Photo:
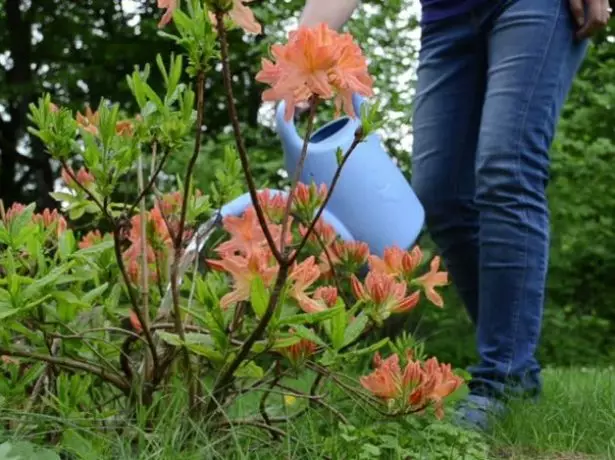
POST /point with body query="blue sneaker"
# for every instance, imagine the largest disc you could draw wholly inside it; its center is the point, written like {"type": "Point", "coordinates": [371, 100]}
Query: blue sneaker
{"type": "Point", "coordinates": [477, 412]}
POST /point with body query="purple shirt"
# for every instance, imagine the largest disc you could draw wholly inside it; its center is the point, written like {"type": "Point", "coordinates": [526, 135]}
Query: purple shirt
{"type": "Point", "coordinates": [435, 10]}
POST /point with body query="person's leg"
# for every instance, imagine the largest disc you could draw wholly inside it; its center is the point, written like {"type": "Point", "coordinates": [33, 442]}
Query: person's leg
{"type": "Point", "coordinates": [532, 59]}
{"type": "Point", "coordinates": [446, 119]}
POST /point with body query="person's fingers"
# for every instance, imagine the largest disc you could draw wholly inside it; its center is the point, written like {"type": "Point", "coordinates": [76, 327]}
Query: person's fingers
{"type": "Point", "coordinates": [577, 7]}
{"type": "Point", "coordinates": [597, 17]}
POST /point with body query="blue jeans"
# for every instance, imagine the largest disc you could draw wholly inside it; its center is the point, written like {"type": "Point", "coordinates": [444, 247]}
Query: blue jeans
{"type": "Point", "coordinates": [491, 84]}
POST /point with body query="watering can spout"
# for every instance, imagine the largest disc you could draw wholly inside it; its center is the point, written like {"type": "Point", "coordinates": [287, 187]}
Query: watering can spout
{"type": "Point", "coordinates": [372, 198]}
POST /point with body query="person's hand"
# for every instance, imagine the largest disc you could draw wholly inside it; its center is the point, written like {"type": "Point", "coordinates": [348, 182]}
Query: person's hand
{"type": "Point", "coordinates": [590, 16]}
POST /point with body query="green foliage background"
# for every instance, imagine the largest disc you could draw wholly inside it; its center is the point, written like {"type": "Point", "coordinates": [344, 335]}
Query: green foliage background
{"type": "Point", "coordinates": [81, 51]}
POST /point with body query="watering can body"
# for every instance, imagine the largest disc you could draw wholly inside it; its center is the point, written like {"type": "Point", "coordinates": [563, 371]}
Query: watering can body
{"type": "Point", "coordinates": [372, 199]}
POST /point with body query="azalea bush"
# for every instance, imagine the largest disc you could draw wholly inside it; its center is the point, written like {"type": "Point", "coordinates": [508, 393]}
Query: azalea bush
{"type": "Point", "coordinates": [166, 289]}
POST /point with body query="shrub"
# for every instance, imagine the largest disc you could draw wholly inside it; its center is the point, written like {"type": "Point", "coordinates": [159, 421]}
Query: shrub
{"type": "Point", "coordinates": [101, 326]}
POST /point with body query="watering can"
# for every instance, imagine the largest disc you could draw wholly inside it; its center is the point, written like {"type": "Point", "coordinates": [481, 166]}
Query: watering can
{"type": "Point", "coordinates": [239, 205]}
{"type": "Point", "coordinates": [372, 199]}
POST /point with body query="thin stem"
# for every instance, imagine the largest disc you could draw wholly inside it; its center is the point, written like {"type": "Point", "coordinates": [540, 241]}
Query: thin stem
{"type": "Point", "coordinates": [133, 300]}
{"type": "Point", "coordinates": [357, 140]}
{"type": "Point", "coordinates": [298, 171]}
{"type": "Point", "coordinates": [118, 382]}
{"type": "Point", "coordinates": [177, 253]}
{"type": "Point", "coordinates": [258, 331]}
{"type": "Point", "coordinates": [143, 244]}
{"type": "Point", "coordinates": [241, 148]}
{"type": "Point", "coordinates": [150, 183]}
{"type": "Point", "coordinates": [120, 262]}
{"type": "Point", "coordinates": [263, 404]}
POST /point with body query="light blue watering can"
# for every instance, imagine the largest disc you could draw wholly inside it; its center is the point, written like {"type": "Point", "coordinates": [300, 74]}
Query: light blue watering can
{"type": "Point", "coordinates": [372, 199]}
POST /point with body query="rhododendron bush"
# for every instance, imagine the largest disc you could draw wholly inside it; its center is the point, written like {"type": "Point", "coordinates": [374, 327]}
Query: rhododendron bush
{"type": "Point", "coordinates": [161, 288]}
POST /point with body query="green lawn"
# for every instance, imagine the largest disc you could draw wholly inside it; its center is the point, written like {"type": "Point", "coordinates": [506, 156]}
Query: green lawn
{"type": "Point", "coordinates": [574, 420]}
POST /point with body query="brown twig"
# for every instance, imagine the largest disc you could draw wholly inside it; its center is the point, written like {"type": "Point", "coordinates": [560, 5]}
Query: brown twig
{"type": "Point", "coordinates": [241, 148]}
{"type": "Point", "coordinates": [177, 243]}
{"type": "Point", "coordinates": [263, 404]}
{"type": "Point", "coordinates": [227, 377]}
{"type": "Point", "coordinates": [298, 171]}
{"type": "Point", "coordinates": [120, 262]}
{"type": "Point", "coordinates": [151, 182]}
{"type": "Point", "coordinates": [115, 380]}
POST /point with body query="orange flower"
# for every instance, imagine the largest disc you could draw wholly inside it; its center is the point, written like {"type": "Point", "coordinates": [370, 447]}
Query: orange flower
{"type": "Point", "coordinates": [247, 234]}
{"type": "Point", "coordinates": [15, 210]}
{"type": "Point", "coordinates": [414, 388]}
{"type": "Point", "coordinates": [385, 293]}
{"type": "Point", "coordinates": [442, 383]}
{"type": "Point", "coordinates": [302, 276]}
{"type": "Point", "coordinates": [327, 294]}
{"type": "Point", "coordinates": [316, 61]}
{"type": "Point", "coordinates": [170, 6]}
{"type": "Point", "coordinates": [433, 279]}
{"type": "Point", "coordinates": [396, 261]}
{"type": "Point", "coordinates": [89, 122]}
{"type": "Point", "coordinates": [243, 16]}
{"type": "Point", "coordinates": [92, 238]}
{"type": "Point", "coordinates": [51, 219]}
{"type": "Point", "coordinates": [309, 197]}
{"type": "Point", "coordinates": [243, 270]}
{"type": "Point", "coordinates": [298, 352]}
{"type": "Point", "coordinates": [135, 323]}
{"type": "Point", "coordinates": [322, 231]}
{"type": "Point", "coordinates": [124, 128]}
{"type": "Point", "coordinates": [273, 204]}
{"type": "Point", "coordinates": [352, 254]}
{"type": "Point", "coordinates": [83, 177]}
{"type": "Point", "coordinates": [385, 382]}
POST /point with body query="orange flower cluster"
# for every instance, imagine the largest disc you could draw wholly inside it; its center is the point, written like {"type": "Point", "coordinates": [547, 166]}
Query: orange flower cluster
{"type": "Point", "coordinates": [246, 256]}
{"type": "Point", "coordinates": [414, 388]}
{"type": "Point", "coordinates": [49, 220]}
{"type": "Point", "coordinates": [156, 247]}
{"type": "Point", "coordinates": [240, 14]}
{"type": "Point", "coordinates": [90, 122]}
{"type": "Point", "coordinates": [90, 239]}
{"type": "Point", "coordinates": [401, 266]}
{"type": "Point", "coordinates": [316, 61]}
{"type": "Point", "coordinates": [83, 177]}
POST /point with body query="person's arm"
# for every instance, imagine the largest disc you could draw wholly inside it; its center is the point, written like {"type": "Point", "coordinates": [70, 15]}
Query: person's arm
{"type": "Point", "coordinates": [333, 12]}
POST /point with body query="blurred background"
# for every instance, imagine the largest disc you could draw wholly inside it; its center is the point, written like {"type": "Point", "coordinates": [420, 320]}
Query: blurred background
{"type": "Point", "coordinates": [81, 51]}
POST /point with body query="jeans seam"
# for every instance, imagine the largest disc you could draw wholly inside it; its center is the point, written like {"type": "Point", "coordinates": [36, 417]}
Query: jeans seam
{"type": "Point", "coordinates": [515, 325]}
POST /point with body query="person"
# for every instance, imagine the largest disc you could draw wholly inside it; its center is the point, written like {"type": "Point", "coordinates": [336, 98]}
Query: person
{"type": "Point", "coordinates": [491, 81]}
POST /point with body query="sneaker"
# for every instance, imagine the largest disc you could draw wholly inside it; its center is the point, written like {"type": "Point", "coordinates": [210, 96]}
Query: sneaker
{"type": "Point", "coordinates": [477, 412]}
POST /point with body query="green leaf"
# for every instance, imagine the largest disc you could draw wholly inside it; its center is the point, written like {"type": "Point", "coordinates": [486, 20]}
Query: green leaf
{"type": "Point", "coordinates": [259, 297]}
{"type": "Point", "coordinates": [308, 318]}
{"type": "Point", "coordinates": [338, 326]}
{"type": "Point", "coordinates": [169, 338]}
{"type": "Point", "coordinates": [46, 280]}
{"type": "Point", "coordinates": [354, 329]}
{"type": "Point", "coordinates": [103, 246]}
{"type": "Point", "coordinates": [250, 370]}
{"type": "Point", "coordinates": [371, 349]}
{"type": "Point", "coordinates": [92, 295]}
{"type": "Point", "coordinates": [307, 334]}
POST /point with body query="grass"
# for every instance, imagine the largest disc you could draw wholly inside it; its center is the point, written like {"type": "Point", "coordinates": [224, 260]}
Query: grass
{"type": "Point", "coordinates": [575, 420]}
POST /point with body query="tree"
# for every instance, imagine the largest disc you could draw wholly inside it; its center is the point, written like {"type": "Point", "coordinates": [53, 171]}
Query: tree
{"type": "Point", "coordinates": [82, 51]}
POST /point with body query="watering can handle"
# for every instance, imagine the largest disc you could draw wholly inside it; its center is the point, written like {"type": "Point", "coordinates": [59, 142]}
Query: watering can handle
{"type": "Point", "coordinates": [288, 128]}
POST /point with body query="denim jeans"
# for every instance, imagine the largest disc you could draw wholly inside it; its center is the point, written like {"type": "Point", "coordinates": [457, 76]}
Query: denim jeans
{"type": "Point", "coordinates": [491, 85]}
